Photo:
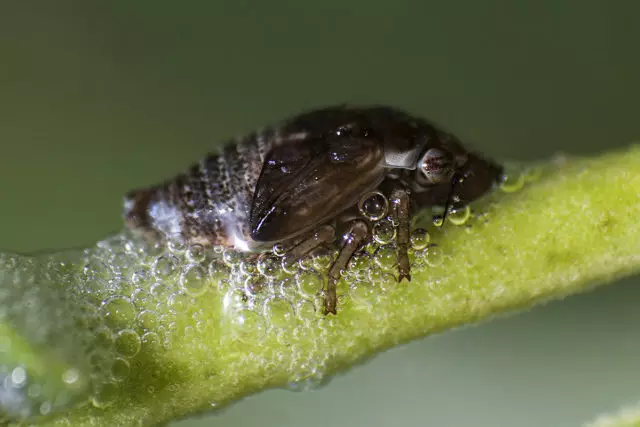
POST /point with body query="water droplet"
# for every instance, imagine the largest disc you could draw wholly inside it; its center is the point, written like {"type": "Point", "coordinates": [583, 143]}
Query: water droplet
{"type": "Point", "coordinates": [268, 264]}
{"type": "Point", "coordinates": [120, 369]}
{"type": "Point", "coordinates": [386, 257]}
{"type": "Point", "coordinates": [193, 280]}
{"type": "Point", "coordinates": [420, 238]}
{"type": "Point", "coordinates": [309, 283]}
{"type": "Point", "coordinates": [140, 276]}
{"type": "Point", "coordinates": [278, 312]}
{"type": "Point", "coordinates": [196, 253]}
{"type": "Point", "coordinates": [384, 232]}
{"type": "Point", "coordinates": [105, 394]}
{"type": "Point", "coordinates": [18, 377]}
{"type": "Point", "coordinates": [118, 312]}
{"type": "Point", "coordinates": [160, 291]}
{"type": "Point", "coordinates": [165, 266]}
{"type": "Point", "coordinates": [292, 268]}
{"type": "Point", "coordinates": [459, 216]}
{"type": "Point", "coordinates": [254, 284]}
{"type": "Point", "coordinates": [512, 182]}
{"type": "Point", "coordinates": [234, 299]}
{"type": "Point", "coordinates": [373, 205]}
{"type": "Point", "coordinates": [128, 343]}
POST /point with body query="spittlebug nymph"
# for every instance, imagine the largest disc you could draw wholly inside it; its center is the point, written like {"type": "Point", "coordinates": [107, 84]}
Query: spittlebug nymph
{"type": "Point", "coordinates": [324, 173]}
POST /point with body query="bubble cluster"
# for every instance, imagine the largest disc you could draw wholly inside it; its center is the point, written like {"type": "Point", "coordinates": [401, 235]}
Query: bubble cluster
{"type": "Point", "coordinates": [110, 309]}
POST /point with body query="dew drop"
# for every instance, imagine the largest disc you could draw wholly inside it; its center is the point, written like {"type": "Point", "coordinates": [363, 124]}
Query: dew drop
{"type": "Point", "coordinates": [118, 312]}
{"type": "Point", "coordinates": [104, 338]}
{"type": "Point", "coordinates": [459, 216]}
{"type": "Point", "coordinates": [176, 244]}
{"type": "Point", "coordinates": [361, 292]}
{"type": "Point", "coordinates": [193, 280]}
{"type": "Point", "coordinates": [120, 369]}
{"type": "Point", "coordinates": [128, 343]}
{"type": "Point", "coordinates": [384, 232]}
{"type": "Point", "coordinates": [373, 205]}
{"type": "Point", "coordinates": [278, 312]}
{"type": "Point", "coordinates": [420, 238]}
{"type": "Point", "coordinates": [71, 376]}
{"type": "Point", "coordinates": [309, 283]}
{"type": "Point", "coordinates": [105, 394]}
{"type": "Point", "coordinates": [279, 250]}
{"type": "Point", "coordinates": [160, 291]}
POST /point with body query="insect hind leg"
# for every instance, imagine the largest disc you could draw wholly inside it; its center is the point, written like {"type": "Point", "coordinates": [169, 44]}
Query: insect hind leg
{"type": "Point", "coordinates": [357, 233]}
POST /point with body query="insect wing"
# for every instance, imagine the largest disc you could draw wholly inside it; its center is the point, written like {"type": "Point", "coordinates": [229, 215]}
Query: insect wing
{"type": "Point", "coordinates": [306, 183]}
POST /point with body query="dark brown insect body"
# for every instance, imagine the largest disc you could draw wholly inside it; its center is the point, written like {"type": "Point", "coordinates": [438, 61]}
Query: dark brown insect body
{"type": "Point", "coordinates": [321, 174]}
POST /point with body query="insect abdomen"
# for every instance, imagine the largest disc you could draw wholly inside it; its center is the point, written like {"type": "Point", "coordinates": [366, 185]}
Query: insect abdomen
{"type": "Point", "coordinates": [208, 204]}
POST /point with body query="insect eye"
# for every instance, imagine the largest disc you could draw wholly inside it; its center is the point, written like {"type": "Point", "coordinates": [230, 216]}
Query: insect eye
{"type": "Point", "coordinates": [436, 166]}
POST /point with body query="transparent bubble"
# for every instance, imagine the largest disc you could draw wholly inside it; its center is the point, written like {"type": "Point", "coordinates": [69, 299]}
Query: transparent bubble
{"type": "Point", "coordinates": [247, 324]}
{"type": "Point", "coordinates": [140, 276]}
{"type": "Point", "coordinates": [148, 319]}
{"type": "Point", "coordinates": [419, 238]}
{"type": "Point", "coordinates": [71, 376]}
{"type": "Point", "coordinates": [278, 312]}
{"type": "Point", "coordinates": [196, 253]}
{"type": "Point", "coordinates": [361, 292]}
{"type": "Point", "coordinates": [231, 257]}
{"type": "Point", "coordinates": [310, 283]}
{"type": "Point", "coordinates": [120, 369]}
{"type": "Point", "coordinates": [292, 268]}
{"type": "Point", "coordinates": [235, 299]}
{"type": "Point", "coordinates": [322, 259]}
{"type": "Point", "coordinates": [118, 312]}
{"type": "Point", "coordinates": [151, 341]}
{"type": "Point", "coordinates": [279, 250]}
{"type": "Point", "coordinates": [459, 216]}
{"type": "Point", "coordinates": [218, 270]}
{"type": "Point", "coordinates": [176, 244]}
{"type": "Point", "coordinates": [386, 257]}
{"type": "Point", "coordinates": [373, 205]}
{"type": "Point", "coordinates": [306, 309]}
{"type": "Point", "coordinates": [128, 343]}
{"type": "Point", "coordinates": [104, 338]}
{"type": "Point", "coordinates": [433, 255]}
{"type": "Point", "coordinates": [268, 264]}
{"type": "Point", "coordinates": [193, 280]}
{"type": "Point", "coordinates": [512, 182]}
{"type": "Point", "coordinates": [384, 232]}
{"type": "Point", "coordinates": [160, 291]}
{"type": "Point", "coordinates": [254, 284]}
{"type": "Point", "coordinates": [104, 394]}
{"type": "Point", "coordinates": [165, 266]}
{"type": "Point", "coordinates": [533, 173]}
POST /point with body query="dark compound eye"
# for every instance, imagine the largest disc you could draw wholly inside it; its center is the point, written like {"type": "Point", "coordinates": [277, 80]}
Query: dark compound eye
{"type": "Point", "coordinates": [436, 166]}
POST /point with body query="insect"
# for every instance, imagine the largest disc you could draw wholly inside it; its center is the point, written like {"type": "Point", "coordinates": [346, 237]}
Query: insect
{"type": "Point", "coordinates": [318, 178]}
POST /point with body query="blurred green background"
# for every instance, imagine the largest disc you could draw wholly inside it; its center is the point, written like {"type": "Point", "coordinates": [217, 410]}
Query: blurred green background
{"type": "Point", "coordinates": [100, 97]}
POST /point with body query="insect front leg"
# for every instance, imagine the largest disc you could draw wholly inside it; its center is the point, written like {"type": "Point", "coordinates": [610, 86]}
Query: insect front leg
{"type": "Point", "coordinates": [357, 232]}
{"type": "Point", "coordinates": [400, 213]}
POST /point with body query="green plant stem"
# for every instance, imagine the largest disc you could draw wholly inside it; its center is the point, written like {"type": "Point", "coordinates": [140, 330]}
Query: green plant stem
{"type": "Point", "coordinates": [575, 227]}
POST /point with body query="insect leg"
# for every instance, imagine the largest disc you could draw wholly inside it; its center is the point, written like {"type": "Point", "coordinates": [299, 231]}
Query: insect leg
{"type": "Point", "coordinates": [358, 231]}
{"type": "Point", "coordinates": [400, 212]}
{"type": "Point", "coordinates": [322, 235]}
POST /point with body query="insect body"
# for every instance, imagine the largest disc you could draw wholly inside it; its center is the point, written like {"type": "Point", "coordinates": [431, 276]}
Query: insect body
{"type": "Point", "coordinates": [318, 175]}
